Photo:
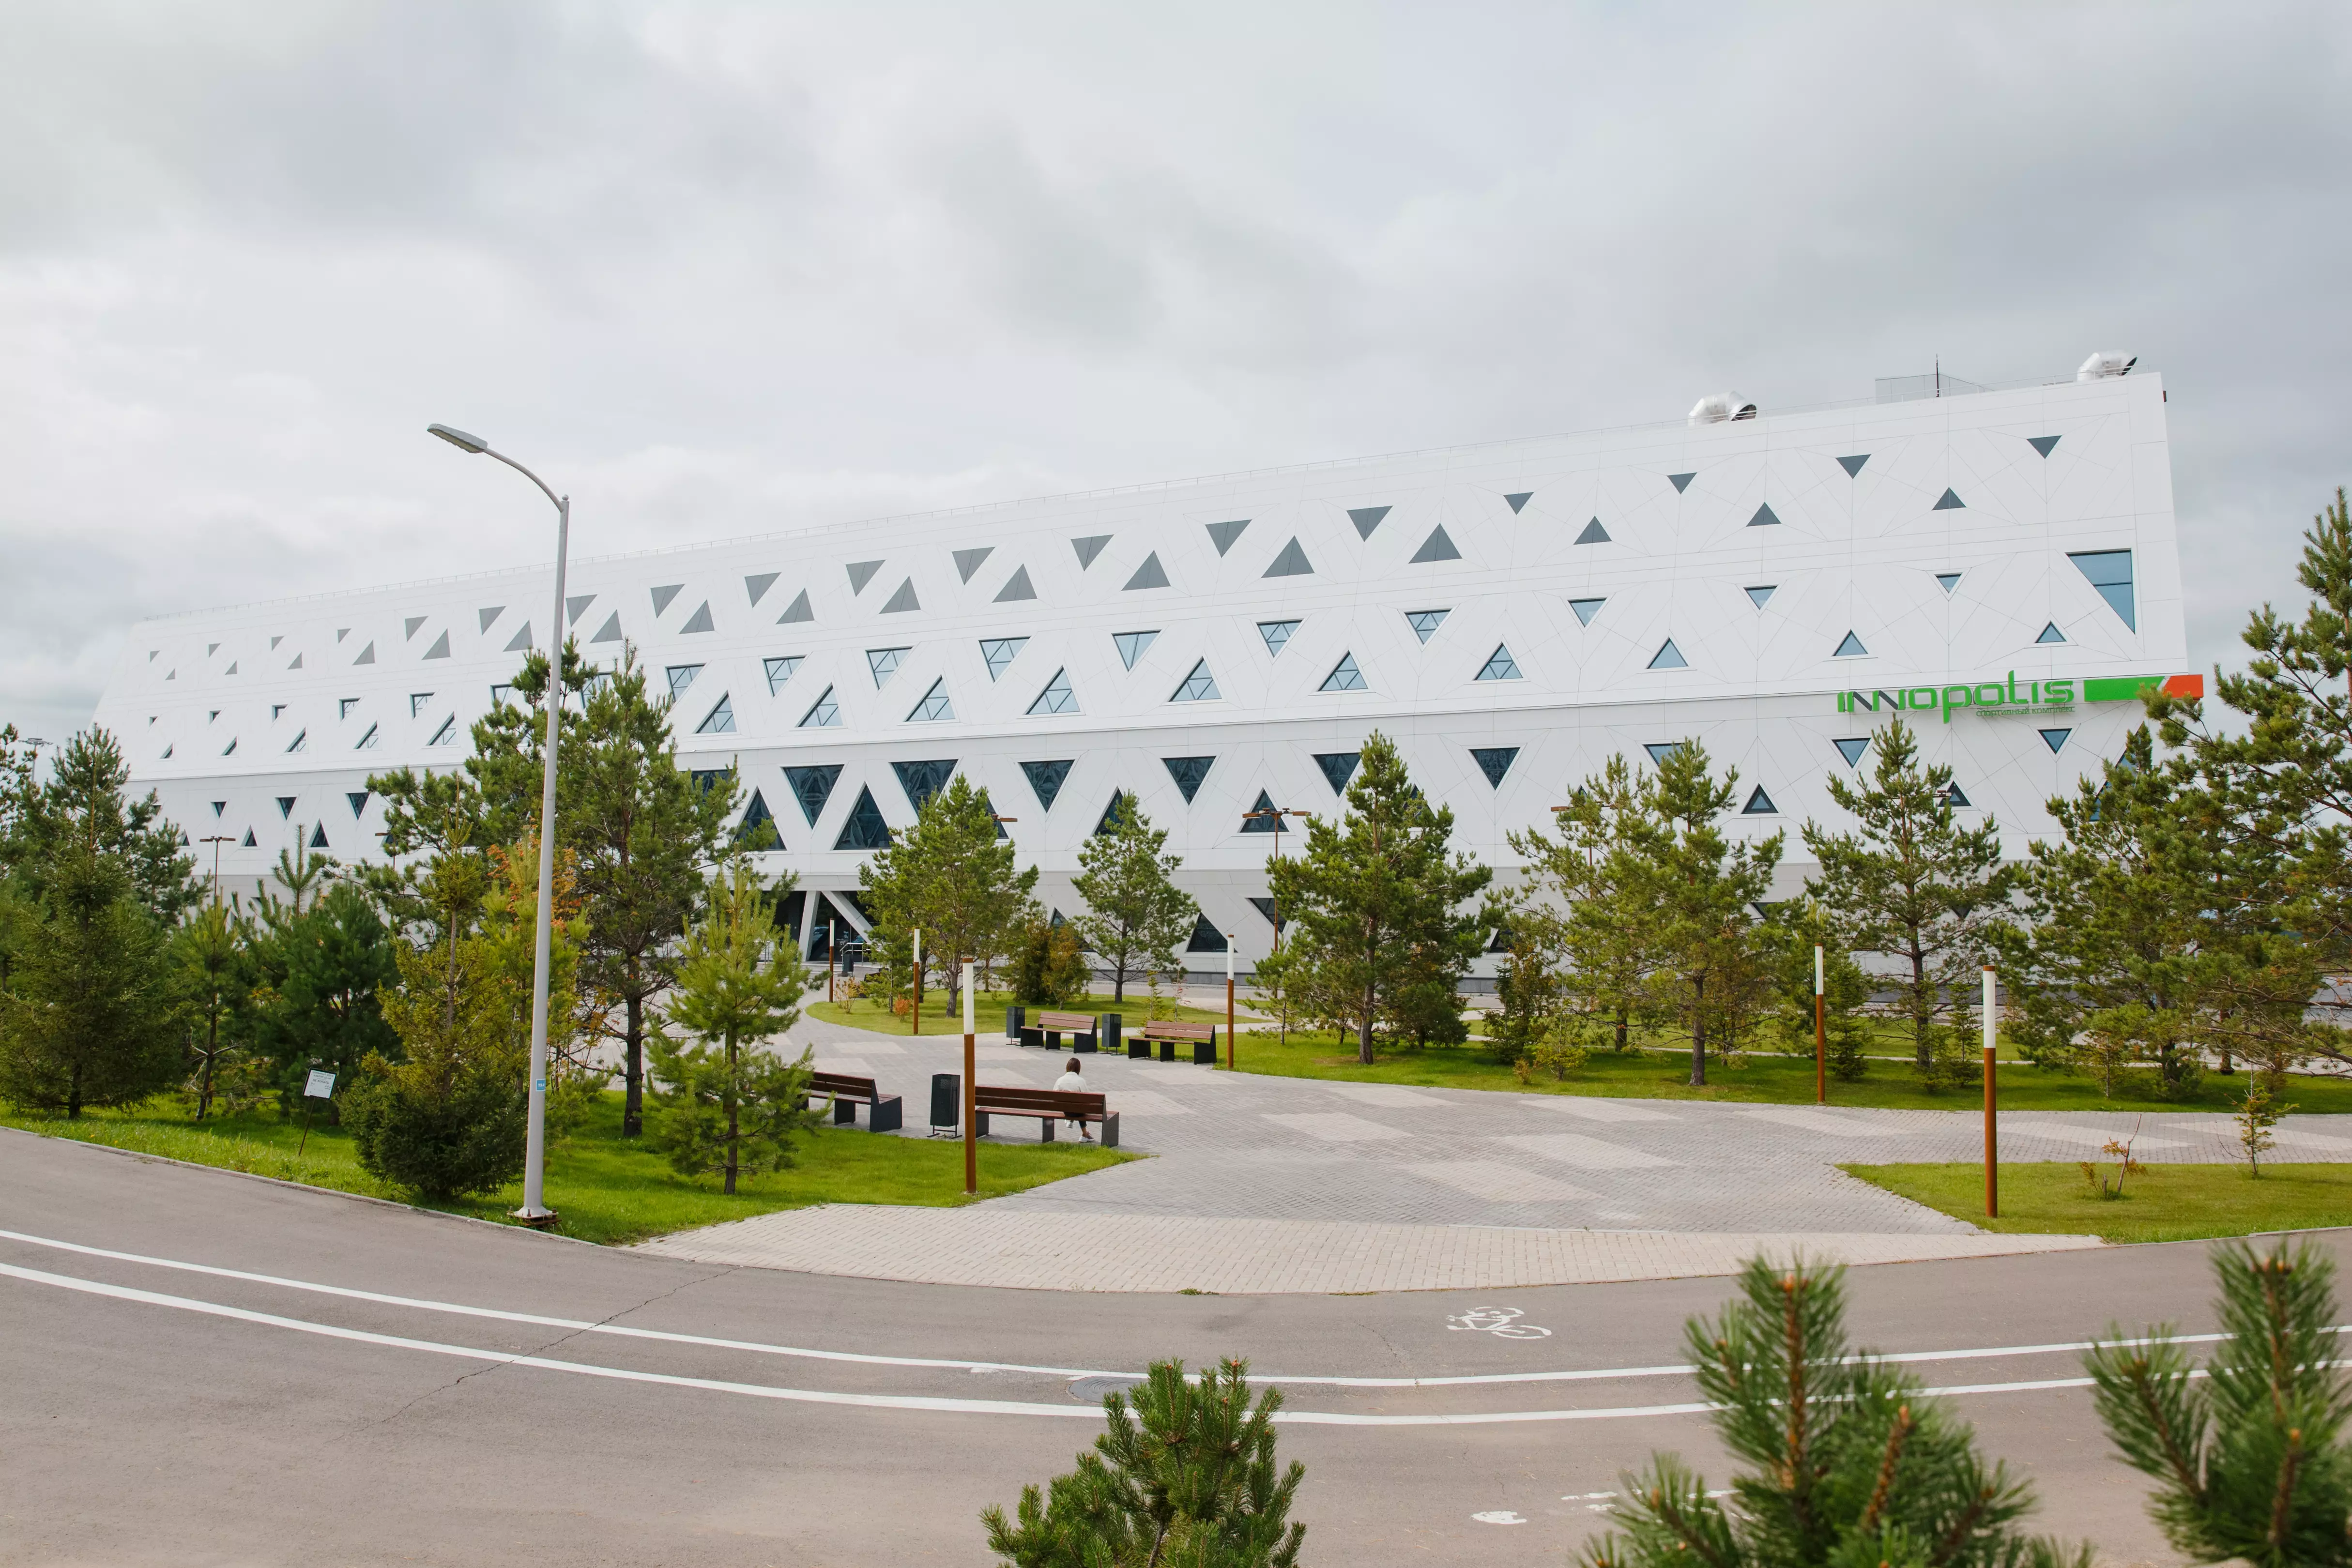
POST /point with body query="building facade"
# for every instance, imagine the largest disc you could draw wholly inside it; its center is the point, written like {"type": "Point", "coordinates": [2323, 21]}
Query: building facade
{"type": "Point", "coordinates": [1998, 566]}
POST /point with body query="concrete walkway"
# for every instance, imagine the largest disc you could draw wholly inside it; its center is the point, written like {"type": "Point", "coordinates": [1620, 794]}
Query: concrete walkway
{"type": "Point", "coordinates": [1264, 1183]}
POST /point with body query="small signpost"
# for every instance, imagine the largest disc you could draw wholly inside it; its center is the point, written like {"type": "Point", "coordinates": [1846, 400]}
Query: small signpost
{"type": "Point", "coordinates": [317, 1086]}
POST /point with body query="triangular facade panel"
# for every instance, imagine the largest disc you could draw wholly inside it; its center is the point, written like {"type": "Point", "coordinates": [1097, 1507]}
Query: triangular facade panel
{"type": "Point", "coordinates": [904, 599]}
{"type": "Point", "coordinates": [970, 561]}
{"type": "Point", "coordinates": [1016, 586]}
{"type": "Point", "coordinates": [797, 611]}
{"type": "Point", "coordinates": [756, 585]}
{"type": "Point", "coordinates": [663, 594]}
{"type": "Point", "coordinates": [1853, 466]}
{"type": "Point", "coordinates": [699, 621]}
{"type": "Point", "coordinates": [1089, 547]}
{"type": "Point", "coordinates": [1222, 535]}
{"type": "Point", "coordinates": [1518, 500]}
{"type": "Point", "coordinates": [861, 572]}
{"type": "Point", "coordinates": [1291, 562]}
{"type": "Point", "coordinates": [1150, 574]}
{"type": "Point", "coordinates": [1437, 547]}
{"type": "Point", "coordinates": [1593, 534]}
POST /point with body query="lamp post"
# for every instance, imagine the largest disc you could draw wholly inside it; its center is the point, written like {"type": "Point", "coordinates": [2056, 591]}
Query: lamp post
{"type": "Point", "coordinates": [534, 1209]}
{"type": "Point", "coordinates": [1992, 1125]}
{"type": "Point", "coordinates": [1229, 1001]}
{"type": "Point", "coordinates": [970, 1052]}
{"type": "Point", "coordinates": [1821, 1034]}
{"type": "Point", "coordinates": [216, 841]}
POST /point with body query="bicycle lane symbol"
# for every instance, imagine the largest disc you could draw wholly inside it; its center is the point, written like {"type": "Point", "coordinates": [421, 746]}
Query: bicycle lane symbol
{"type": "Point", "coordinates": [1501, 1322]}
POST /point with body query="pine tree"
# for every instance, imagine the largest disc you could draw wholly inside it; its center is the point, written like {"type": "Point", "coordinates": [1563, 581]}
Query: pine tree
{"type": "Point", "coordinates": [2249, 1457]}
{"type": "Point", "coordinates": [1790, 938]}
{"type": "Point", "coordinates": [1913, 883]}
{"type": "Point", "coordinates": [1136, 916]}
{"type": "Point", "coordinates": [1188, 1481]}
{"type": "Point", "coordinates": [322, 973]}
{"type": "Point", "coordinates": [1574, 905]}
{"type": "Point", "coordinates": [213, 975]}
{"type": "Point", "coordinates": [956, 878]}
{"type": "Point", "coordinates": [85, 802]}
{"type": "Point", "coordinates": [1379, 906]}
{"type": "Point", "coordinates": [1853, 1464]}
{"type": "Point", "coordinates": [728, 1104]}
{"type": "Point", "coordinates": [1049, 967]}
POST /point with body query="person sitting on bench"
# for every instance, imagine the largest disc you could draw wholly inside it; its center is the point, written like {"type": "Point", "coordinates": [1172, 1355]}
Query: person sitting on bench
{"type": "Point", "coordinates": [1073, 1081]}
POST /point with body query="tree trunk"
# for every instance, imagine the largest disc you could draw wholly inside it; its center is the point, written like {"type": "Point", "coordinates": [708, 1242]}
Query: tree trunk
{"type": "Point", "coordinates": [1621, 1029]}
{"type": "Point", "coordinates": [732, 1129]}
{"type": "Point", "coordinates": [73, 1095]}
{"type": "Point", "coordinates": [1921, 1005]}
{"type": "Point", "coordinates": [212, 1054]}
{"type": "Point", "coordinates": [1698, 1032]}
{"type": "Point", "coordinates": [633, 1067]}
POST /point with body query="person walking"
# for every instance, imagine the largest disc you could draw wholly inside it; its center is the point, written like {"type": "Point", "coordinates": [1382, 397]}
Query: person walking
{"type": "Point", "coordinates": [1073, 1081]}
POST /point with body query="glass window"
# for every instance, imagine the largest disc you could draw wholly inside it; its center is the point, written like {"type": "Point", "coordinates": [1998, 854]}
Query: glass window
{"type": "Point", "coordinates": [822, 713]}
{"type": "Point", "coordinates": [934, 706]}
{"type": "Point", "coordinates": [1669, 657]}
{"type": "Point", "coordinates": [680, 677]}
{"type": "Point", "coordinates": [1199, 686]}
{"type": "Point", "coordinates": [2050, 634]}
{"type": "Point", "coordinates": [2053, 738]}
{"type": "Point", "coordinates": [1948, 581]}
{"type": "Point", "coordinates": [865, 830]}
{"type": "Point", "coordinates": [1759, 804]}
{"type": "Point", "coordinates": [499, 694]}
{"type": "Point", "coordinates": [921, 780]}
{"type": "Point", "coordinates": [1207, 938]}
{"type": "Point", "coordinates": [1339, 767]}
{"type": "Point", "coordinates": [1762, 594]}
{"type": "Point", "coordinates": [299, 736]}
{"type": "Point", "coordinates": [1425, 622]}
{"type": "Point", "coordinates": [1593, 534]}
{"type": "Point", "coordinates": [274, 709]}
{"type": "Point", "coordinates": [1345, 677]}
{"type": "Point", "coordinates": [1852, 750]}
{"type": "Point", "coordinates": [1660, 750]}
{"type": "Point", "coordinates": [446, 733]}
{"type": "Point", "coordinates": [343, 708]}
{"type": "Point", "coordinates": [1108, 823]}
{"type": "Point", "coordinates": [997, 652]}
{"type": "Point", "coordinates": [1851, 648]}
{"type": "Point", "coordinates": [1264, 817]}
{"type": "Point", "coordinates": [719, 720]}
{"type": "Point", "coordinates": [367, 741]}
{"type": "Point", "coordinates": [813, 787]}
{"type": "Point", "coordinates": [1499, 666]}
{"type": "Point", "coordinates": [757, 826]}
{"type": "Point", "coordinates": [1131, 644]}
{"type": "Point", "coordinates": [1045, 778]}
{"type": "Point", "coordinates": [1266, 907]}
{"type": "Point", "coordinates": [285, 807]}
{"type": "Point", "coordinates": [2110, 572]}
{"type": "Point", "coordinates": [1957, 795]}
{"type": "Point", "coordinates": [359, 799]}
{"type": "Point", "coordinates": [1495, 762]}
{"type": "Point", "coordinates": [1277, 634]}
{"type": "Point", "coordinates": [1190, 773]}
{"type": "Point", "coordinates": [1586, 608]}
{"type": "Point", "coordinates": [780, 670]}
{"type": "Point", "coordinates": [884, 663]}
{"type": "Point", "coordinates": [1056, 697]}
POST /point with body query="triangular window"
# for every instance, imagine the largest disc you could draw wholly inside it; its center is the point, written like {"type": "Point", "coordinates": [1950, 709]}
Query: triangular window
{"type": "Point", "coordinates": [1016, 586]}
{"type": "Point", "coordinates": [1291, 562]}
{"type": "Point", "coordinates": [1056, 697]}
{"type": "Point", "coordinates": [756, 585]}
{"type": "Point", "coordinates": [1190, 773]}
{"type": "Point", "coordinates": [700, 621]}
{"type": "Point", "coordinates": [968, 562]}
{"type": "Point", "coordinates": [248, 839]}
{"type": "Point", "coordinates": [1948, 581]}
{"type": "Point", "coordinates": [1439, 546]}
{"type": "Point", "coordinates": [797, 611]}
{"type": "Point", "coordinates": [2110, 572]}
{"type": "Point", "coordinates": [1593, 534]}
{"type": "Point", "coordinates": [318, 835]}
{"type": "Point", "coordinates": [1424, 621]}
{"type": "Point", "coordinates": [921, 780]}
{"type": "Point", "coordinates": [1957, 795]}
{"type": "Point", "coordinates": [1264, 817]}
{"type": "Point", "coordinates": [822, 713]}
{"type": "Point", "coordinates": [1199, 686]}
{"type": "Point", "coordinates": [1131, 644]}
{"type": "Point", "coordinates": [1494, 761]}
{"type": "Point", "coordinates": [1108, 823]}
{"type": "Point", "coordinates": [1759, 804]}
{"type": "Point", "coordinates": [440, 649]}
{"type": "Point", "coordinates": [861, 572]}
{"type": "Point", "coordinates": [662, 596]}
{"type": "Point", "coordinates": [300, 737]}
{"type": "Point", "coordinates": [1586, 608]}
{"type": "Point", "coordinates": [900, 601]}
{"type": "Point", "coordinates": [1660, 750]}
{"type": "Point", "coordinates": [367, 741]}
{"type": "Point", "coordinates": [446, 733]}
{"type": "Point", "coordinates": [1852, 750]}
{"type": "Point", "coordinates": [1276, 634]}
{"type": "Point", "coordinates": [1499, 666]}
{"type": "Point", "coordinates": [285, 807]}
{"type": "Point", "coordinates": [1517, 502]}
{"type": "Point", "coordinates": [416, 701]}
{"type": "Point", "coordinates": [1206, 938]}
{"type": "Point", "coordinates": [997, 652]}
{"type": "Point", "coordinates": [1765, 517]}
{"type": "Point", "coordinates": [575, 605]}
{"type": "Point", "coordinates": [1365, 520]}
{"type": "Point", "coordinates": [1222, 535]}
{"type": "Point", "coordinates": [1266, 907]}
{"type": "Point", "coordinates": [755, 816]}
{"type": "Point", "coordinates": [780, 670]}
{"type": "Point", "coordinates": [813, 787]}
{"type": "Point", "coordinates": [1045, 778]}
{"type": "Point", "coordinates": [1089, 547]}
{"type": "Point", "coordinates": [865, 830]}
{"type": "Point", "coordinates": [2055, 739]}
{"type": "Point", "coordinates": [1853, 466]}
{"type": "Point", "coordinates": [1949, 501]}
{"type": "Point", "coordinates": [359, 799]}
{"type": "Point", "coordinates": [1851, 648]}
{"type": "Point", "coordinates": [721, 720]}
{"type": "Point", "coordinates": [934, 706]}
{"type": "Point", "coordinates": [1150, 574]}
{"type": "Point", "coordinates": [680, 677]}
{"type": "Point", "coordinates": [611, 630]}
{"type": "Point", "coordinates": [2041, 444]}
{"type": "Point", "coordinates": [1669, 657]}
{"type": "Point", "coordinates": [1760, 594]}
{"type": "Point", "coordinates": [1339, 767]}
{"type": "Point", "coordinates": [1344, 676]}
{"type": "Point", "coordinates": [884, 663]}
{"type": "Point", "coordinates": [2050, 634]}
{"type": "Point", "coordinates": [1681, 482]}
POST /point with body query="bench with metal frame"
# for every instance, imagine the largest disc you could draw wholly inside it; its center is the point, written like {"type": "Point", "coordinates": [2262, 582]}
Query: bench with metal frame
{"type": "Point", "coordinates": [1047, 1030]}
{"type": "Point", "coordinates": [1049, 1106]}
{"type": "Point", "coordinates": [847, 1092]}
{"type": "Point", "coordinates": [1167, 1033]}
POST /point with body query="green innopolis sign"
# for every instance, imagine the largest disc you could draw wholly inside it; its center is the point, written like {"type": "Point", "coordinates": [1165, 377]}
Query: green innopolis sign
{"type": "Point", "coordinates": [1995, 696]}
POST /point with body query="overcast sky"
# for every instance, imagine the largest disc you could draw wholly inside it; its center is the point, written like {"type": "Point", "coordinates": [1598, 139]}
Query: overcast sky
{"type": "Point", "coordinates": [717, 270]}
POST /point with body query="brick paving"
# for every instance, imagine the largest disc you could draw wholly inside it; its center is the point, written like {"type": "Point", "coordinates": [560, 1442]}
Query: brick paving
{"type": "Point", "coordinates": [1261, 1184]}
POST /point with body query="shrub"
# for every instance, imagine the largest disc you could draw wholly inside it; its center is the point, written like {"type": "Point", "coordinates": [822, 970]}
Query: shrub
{"type": "Point", "coordinates": [1049, 967]}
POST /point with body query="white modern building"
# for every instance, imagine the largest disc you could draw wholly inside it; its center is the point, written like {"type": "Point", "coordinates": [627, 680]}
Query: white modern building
{"type": "Point", "coordinates": [1998, 564]}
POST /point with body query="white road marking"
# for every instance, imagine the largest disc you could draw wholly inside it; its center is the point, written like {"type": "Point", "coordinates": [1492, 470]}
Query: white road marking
{"type": "Point", "coordinates": [1503, 1323]}
{"type": "Point", "coordinates": [1337, 1127]}
{"type": "Point", "coordinates": [623, 1331]}
{"type": "Point", "coordinates": [1499, 1516]}
{"type": "Point", "coordinates": [1394, 1094]}
{"type": "Point", "coordinates": [1828, 1122]}
{"type": "Point", "coordinates": [1496, 1182]}
{"type": "Point", "coordinates": [1587, 1153]}
{"type": "Point", "coordinates": [1599, 1110]}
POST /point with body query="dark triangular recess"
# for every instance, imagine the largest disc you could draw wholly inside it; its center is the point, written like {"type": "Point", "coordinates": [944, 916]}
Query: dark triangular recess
{"type": "Point", "coordinates": [1494, 762]}
{"type": "Point", "coordinates": [1593, 534]}
{"type": "Point", "coordinates": [1853, 466]}
{"type": "Point", "coordinates": [865, 830]}
{"type": "Point", "coordinates": [1437, 547]}
{"type": "Point", "coordinates": [1681, 482]}
{"type": "Point", "coordinates": [1016, 586]}
{"type": "Point", "coordinates": [1765, 517]}
{"type": "Point", "coordinates": [797, 611]}
{"type": "Point", "coordinates": [861, 572]}
{"type": "Point", "coordinates": [904, 599]}
{"type": "Point", "coordinates": [1365, 520]}
{"type": "Point", "coordinates": [1150, 574]}
{"type": "Point", "coordinates": [1949, 501]}
{"type": "Point", "coordinates": [1291, 562]}
{"type": "Point", "coordinates": [1222, 535]}
{"type": "Point", "coordinates": [1519, 502]}
{"type": "Point", "coordinates": [969, 560]}
{"type": "Point", "coordinates": [2041, 444]}
{"type": "Point", "coordinates": [1045, 778]}
{"type": "Point", "coordinates": [1089, 547]}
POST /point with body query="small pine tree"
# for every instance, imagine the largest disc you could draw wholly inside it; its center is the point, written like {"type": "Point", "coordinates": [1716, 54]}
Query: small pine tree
{"type": "Point", "coordinates": [2257, 1116]}
{"type": "Point", "coordinates": [1135, 915]}
{"type": "Point", "coordinates": [2248, 1457]}
{"type": "Point", "coordinates": [212, 975]}
{"type": "Point", "coordinates": [1189, 1480]}
{"type": "Point", "coordinates": [1854, 1463]}
{"type": "Point", "coordinates": [728, 1104]}
{"type": "Point", "coordinates": [1049, 969]}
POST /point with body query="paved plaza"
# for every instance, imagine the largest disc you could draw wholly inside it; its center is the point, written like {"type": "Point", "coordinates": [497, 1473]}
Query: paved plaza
{"type": "Point", "coordinates": [1284, 1184]}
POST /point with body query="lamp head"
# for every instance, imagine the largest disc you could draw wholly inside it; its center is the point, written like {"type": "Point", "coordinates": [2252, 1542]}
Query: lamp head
{"type": "Point", "coordinates": [458, 438]}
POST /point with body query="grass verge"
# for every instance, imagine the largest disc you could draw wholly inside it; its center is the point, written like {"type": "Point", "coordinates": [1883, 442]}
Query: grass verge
{"type": "Point", "coordinates": [2163, 1203]}
{"type": "Point", "coordinates": [1760, 1077]}
{"type": "Point", "coordinates": [606, 1188]}
{"type": "Point", "coordinates": [989, 1008]}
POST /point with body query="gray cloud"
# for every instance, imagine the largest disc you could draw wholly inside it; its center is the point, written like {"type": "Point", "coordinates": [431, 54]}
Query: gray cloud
{"type": "Point", "coordinates": [726, 268]}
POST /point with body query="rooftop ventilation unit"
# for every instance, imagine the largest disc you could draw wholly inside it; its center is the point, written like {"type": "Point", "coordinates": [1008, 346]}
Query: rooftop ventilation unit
{"type": "Point", "coordinates": [2104, 364]}
{"type": "Point", "coordinates": [1717, 407]}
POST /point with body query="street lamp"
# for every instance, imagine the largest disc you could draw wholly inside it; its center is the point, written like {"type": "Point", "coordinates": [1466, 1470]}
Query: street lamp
{"type": "Point", "coordinates": [534, 1209]}
{"type": "Point", "coordinates": [216, 841]}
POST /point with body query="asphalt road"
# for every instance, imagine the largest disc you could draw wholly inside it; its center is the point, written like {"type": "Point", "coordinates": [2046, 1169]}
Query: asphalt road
{"type": "Point", "coordinates": [169, 1415]}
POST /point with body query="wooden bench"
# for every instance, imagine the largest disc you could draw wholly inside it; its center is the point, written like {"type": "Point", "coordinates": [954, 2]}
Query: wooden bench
{"type": "Point", "coordinates": [1203, 1038]}
{"type": "Point", "coordinates": [1049, 1106]}
{"type": "Point", "coordinates": [847, 1092]}
{"type": "Point", "coordinates": [1049, 1028]}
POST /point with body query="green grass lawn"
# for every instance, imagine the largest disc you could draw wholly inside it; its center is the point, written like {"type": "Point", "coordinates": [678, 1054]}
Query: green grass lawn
{"type": "Point", "coordinates": [2162, 1203]}
{"type": "Point", "coordinates": [605, 1189]}
{"type": "Point", "coordinates": [990, 1010]}
{"type": "Point", "coordinates": [1760, 1077]}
